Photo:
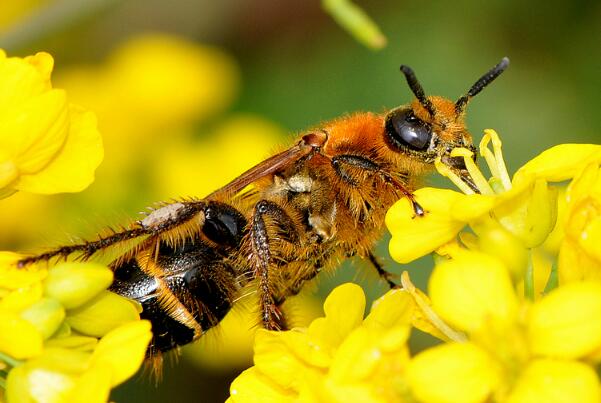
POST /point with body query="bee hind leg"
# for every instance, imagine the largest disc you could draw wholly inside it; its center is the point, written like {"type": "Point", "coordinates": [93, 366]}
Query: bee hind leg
{"type": "Point", "coordinates": [272, 316]}
{"type": "Point", "coordinates": [86, 249]}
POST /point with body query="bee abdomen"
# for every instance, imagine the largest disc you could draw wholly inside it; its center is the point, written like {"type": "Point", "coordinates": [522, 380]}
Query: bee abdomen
{"type": "Point", "coordinates": [188, 288]}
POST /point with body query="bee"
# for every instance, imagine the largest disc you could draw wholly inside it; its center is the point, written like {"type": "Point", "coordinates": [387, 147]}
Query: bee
{"type": "Point", "coordinates": [282, 222]}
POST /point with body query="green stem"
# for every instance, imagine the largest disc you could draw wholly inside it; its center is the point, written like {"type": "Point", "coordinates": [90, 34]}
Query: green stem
{"type": "Point", "coordinates": [57, 16]}
{"type": "Point", "coordinates": [10, 360]}
{"type": "Point", "coordinates": [3, 383]}
{"type": "Point", "coordinates": [553, 280]}
{"type": "Point", "coordinates": [355, 21]}
{"type": "Point", "coordinates": [529, 281]}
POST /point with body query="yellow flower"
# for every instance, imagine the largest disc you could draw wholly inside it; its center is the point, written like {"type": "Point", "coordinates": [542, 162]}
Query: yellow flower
{"type": "Point", "coordinates": [43, 314]}
{"type": "Point", "coordinates": [580, 253]}
{"type": "Point", "coordinates": [514, 345]}
{"type": "Point", "coordinates": [339, 357]}
{"type": "Point", "coordinates": [514, 220]}
{"type": "Point", "coordinates": [526, 207]}
{"type": "Point", "coordinates": [67, 375]}
{"type": "Point", "coordinates": [46, 144]}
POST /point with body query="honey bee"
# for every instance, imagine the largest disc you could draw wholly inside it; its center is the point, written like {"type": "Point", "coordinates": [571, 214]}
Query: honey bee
{"type": "Point", "coordinates": [309, 207]}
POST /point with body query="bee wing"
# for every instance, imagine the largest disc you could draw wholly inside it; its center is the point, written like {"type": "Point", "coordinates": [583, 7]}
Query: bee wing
{"type": "Point", "coordinates": [263, 169]}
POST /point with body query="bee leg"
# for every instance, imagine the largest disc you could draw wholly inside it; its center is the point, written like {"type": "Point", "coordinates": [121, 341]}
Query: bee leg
{"type": "Point", "coordinates": [349, 167]}
{"type": "Point", "coordinates": [86, 249]}
{"type": "Point", "coordinates": [387, 276]}
{"type": "Point", "coordinates": [271, 315]}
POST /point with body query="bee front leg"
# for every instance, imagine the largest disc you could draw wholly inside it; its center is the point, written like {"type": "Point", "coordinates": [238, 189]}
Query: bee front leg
{"type": "Point", "coordinates": [271, 315]}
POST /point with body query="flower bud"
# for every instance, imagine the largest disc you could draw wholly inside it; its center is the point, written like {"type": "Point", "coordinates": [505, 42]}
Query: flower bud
{"type": "Point", "coordinates": [46, 315]}
{"type": "Point", "coordinates": [102, 314]}
{"type": "Point", "coordinates": [73, 284]}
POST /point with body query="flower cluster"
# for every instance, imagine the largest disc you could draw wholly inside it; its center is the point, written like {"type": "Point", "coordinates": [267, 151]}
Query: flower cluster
{"type": "Point", "coordinates": [515, 298]}
{"type": "Point", "coordinates": [339, 357]}
{"type": "Point", "coordinates": [63, 336]}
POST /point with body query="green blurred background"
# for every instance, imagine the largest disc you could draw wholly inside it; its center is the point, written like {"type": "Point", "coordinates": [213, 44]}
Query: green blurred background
{"type": "Point", "coordinates": [186, 112]}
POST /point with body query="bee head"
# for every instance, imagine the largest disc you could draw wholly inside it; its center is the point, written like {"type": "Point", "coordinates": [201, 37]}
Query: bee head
{"type": "Point", "coordinates": [432, 126]}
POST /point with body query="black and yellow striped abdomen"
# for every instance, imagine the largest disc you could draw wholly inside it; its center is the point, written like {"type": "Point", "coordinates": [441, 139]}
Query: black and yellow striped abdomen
{"type": "Point", "coordinates": [185, 287]}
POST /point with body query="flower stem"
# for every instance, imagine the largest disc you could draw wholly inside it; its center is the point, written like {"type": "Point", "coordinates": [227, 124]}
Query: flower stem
{"type": "Point", "coordinates": [356, 22]}
{"type": "Point", "coordinates": [553, 280]}
{"type": "Point", "coordinates": [529, 281]}
{"type": "Point", "coordinates": [2, 383]}
{"type": "Point", "coordinates": [9, 360]}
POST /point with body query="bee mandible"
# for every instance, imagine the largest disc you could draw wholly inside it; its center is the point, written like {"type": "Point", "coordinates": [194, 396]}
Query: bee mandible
{"type": "Point", "coordinates": [276, 226]}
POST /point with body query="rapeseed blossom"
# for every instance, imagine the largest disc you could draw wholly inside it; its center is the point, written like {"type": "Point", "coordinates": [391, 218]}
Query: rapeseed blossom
{"type": "Point", "coordinates": [47, 145]}
{"type": "Point", "coordinates": [340, 357]}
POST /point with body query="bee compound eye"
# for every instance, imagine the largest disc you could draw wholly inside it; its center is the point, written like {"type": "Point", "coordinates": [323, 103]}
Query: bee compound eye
{"type": "Point", "coordinates": [405, 130]}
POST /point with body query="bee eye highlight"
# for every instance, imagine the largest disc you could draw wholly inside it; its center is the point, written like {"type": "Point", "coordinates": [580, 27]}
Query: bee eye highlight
{"type": "Point", "coordinates": [405, 130]}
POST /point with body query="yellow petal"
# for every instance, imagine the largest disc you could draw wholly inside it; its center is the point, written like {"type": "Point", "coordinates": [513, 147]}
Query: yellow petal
{"type": "Point", "coordinates": [28, 383]}
{"type": "Point", "coordinates": [21, 298]}
{"type": "Point", "coordinates": [80, 343]}
{"type": "Point", "coordinates": [19, 338]}
{"type": "Point", "coordinates": [22, 79]}
{"type": "Point", "coordinates": [344, 309]}
{"type": "Point", "coordinates": [275, 359]}
{"type": "Point", "coordinates": [357, 357]}
{"type": "Point", "coordinates": [395, 308]}
{"type": "Point", "coordinates": [472, 289]}
{"type": "Point", "coordinates": [252, 386]}
{"type": "Point", "coordinates": [123, 350]}
{"type": "Point", "coordinates": [73, 283]}
{"type": "Point", "coordinates": [93, 386]}
{"type": "Point", "coordinates": [46, 315]}
{"type": "Point", "coordinates": [493, 239]}
{"type": "Point", "coordinates": [413, 237]}
{"type": "Point", "coordinates": [102, 314]}
{"type": "Point", "coordinates": [424, 317]}
{"type": "Point", "coordinates": [576, 265]}
{"type": "Point", "coordinates": [566, 323]}
{"type": "Point", "coordinates": [72, 169]}
{"type": "Point", "coordinates": [553, 381]}
{"type": "Point", "coordinates": [559, 163]}
{"type": "Point", "coordinates": [528, 211]}
{"type": "Point", "coordinates": [456, 372]}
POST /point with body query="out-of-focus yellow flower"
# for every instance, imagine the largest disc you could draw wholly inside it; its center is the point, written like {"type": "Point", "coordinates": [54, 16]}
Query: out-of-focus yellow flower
{"type": "Point", "coordinates": [41, 311]}
{"type": "Point", "coordinates": [510, 338]}
{"type": "Point", "coordinates": [46, 144]}
{"type": "Point", "coordinates": [149, 87]}
{"type": "Point", "coordinates": [340, 357]}
{"type": "Point", "coordinates": [187, 168]}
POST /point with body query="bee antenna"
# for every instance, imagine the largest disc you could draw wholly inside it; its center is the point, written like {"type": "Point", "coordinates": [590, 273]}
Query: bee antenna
{"type": "Point", "coordinates": [479, 85]}
{"type": "Point", "coordinates": [417, 89]}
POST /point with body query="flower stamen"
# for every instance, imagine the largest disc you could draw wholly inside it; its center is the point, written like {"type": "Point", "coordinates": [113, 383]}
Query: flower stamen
{"type": "Point", "coordinates": [494, 158]}
{"type": "Point", "coordinates": [477, 176]}
{"type": "Point", "coordinates": [445, 171]}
